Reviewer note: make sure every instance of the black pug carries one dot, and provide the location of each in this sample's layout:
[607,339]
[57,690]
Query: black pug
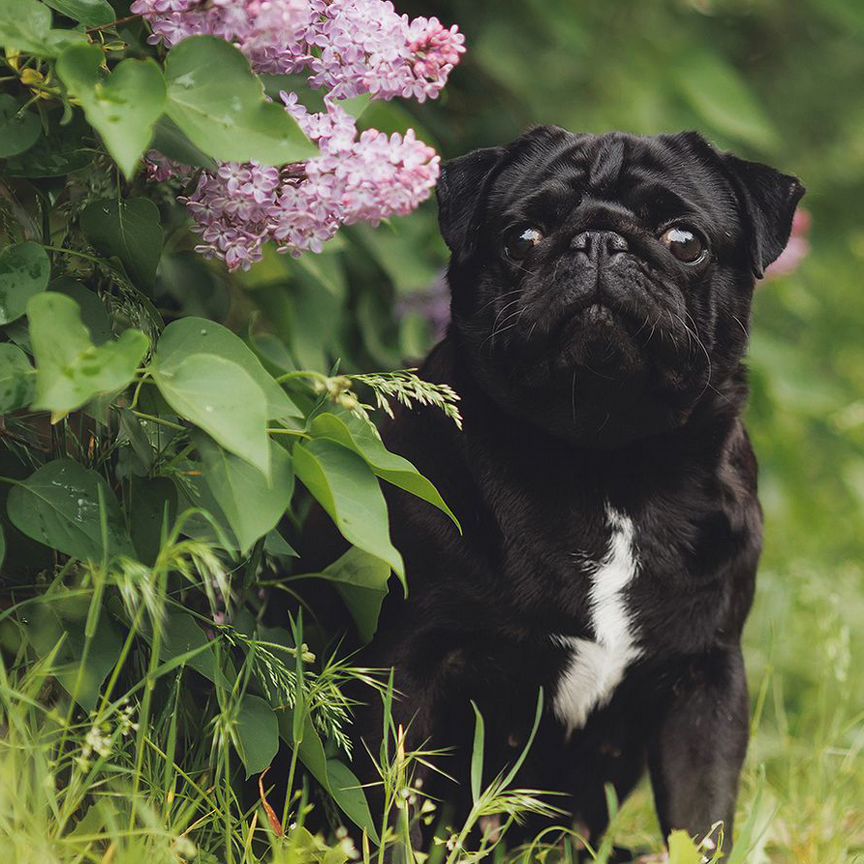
[601,294]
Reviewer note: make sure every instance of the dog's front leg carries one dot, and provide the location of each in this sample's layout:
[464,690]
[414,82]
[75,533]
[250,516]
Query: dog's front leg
[698,748]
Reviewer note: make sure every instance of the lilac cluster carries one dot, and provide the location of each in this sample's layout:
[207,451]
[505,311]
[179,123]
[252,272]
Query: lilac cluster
[348,48]
[300,207]
[271,33]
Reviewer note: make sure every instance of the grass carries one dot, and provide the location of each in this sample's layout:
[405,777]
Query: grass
[151,773]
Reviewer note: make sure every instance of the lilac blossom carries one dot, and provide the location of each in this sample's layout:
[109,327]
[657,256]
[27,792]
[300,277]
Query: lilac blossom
[348,48]
[367,179]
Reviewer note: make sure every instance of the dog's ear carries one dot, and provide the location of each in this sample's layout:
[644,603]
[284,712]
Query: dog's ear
[460,187]
[768,199]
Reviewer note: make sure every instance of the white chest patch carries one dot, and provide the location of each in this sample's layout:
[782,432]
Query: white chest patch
[596,667]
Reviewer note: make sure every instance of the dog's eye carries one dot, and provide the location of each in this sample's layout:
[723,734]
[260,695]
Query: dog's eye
[684,244]
[520,241]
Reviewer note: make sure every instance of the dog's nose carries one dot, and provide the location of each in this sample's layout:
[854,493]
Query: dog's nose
[599,246]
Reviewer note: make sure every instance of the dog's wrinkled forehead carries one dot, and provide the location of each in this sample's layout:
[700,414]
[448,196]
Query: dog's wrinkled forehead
[548,170]
[546,173]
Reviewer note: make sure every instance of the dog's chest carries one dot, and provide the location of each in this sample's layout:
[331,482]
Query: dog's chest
[595,667]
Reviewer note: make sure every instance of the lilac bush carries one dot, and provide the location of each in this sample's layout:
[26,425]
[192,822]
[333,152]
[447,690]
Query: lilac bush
[347,48]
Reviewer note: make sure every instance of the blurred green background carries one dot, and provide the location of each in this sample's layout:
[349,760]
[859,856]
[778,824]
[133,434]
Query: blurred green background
[777,81]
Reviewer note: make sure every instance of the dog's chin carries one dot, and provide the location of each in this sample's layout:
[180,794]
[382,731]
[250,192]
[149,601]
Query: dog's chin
[597,340]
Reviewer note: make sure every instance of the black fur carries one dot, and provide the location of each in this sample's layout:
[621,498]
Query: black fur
[588,382]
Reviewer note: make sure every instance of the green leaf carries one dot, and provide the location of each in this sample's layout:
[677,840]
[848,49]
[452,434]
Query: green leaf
[251,505]
[62,621]
[477,754]
[2,547]
[361,580]
[24,271]
[170,141]
[61,150]
[62,505]
[90,13]
[93,311]
[153,501]
[129,230]
[336,777]
[226,115]
[70,369]
[220,397]
[357,435]
[347,489]
[122,107]
[182,635]
[19,130]
[200,336]
[257,734]
[25,25]
[682,850]
[17,379]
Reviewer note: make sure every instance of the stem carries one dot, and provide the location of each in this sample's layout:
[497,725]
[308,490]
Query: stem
[290,376]
[297,433]
[75,253]
[114,24]
[159,421]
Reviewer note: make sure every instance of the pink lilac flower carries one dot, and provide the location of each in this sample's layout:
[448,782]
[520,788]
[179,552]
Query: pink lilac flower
[365,46]
[271,33]
[348,47]
[797,249]
[240,207]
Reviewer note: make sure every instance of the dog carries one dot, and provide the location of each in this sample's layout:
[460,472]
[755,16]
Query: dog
[604,481]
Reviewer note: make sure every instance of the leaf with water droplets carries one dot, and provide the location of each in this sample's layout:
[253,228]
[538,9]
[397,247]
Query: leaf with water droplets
[226,114]
[24,272]
[70,369]
[63,505]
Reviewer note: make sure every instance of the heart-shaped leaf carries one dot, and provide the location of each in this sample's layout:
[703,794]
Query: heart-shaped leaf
[129,230]
[24,272]
[70,369]
[226,115]
[220,397]
[90,13]
[63,504]
[17,379]
[357,435]
[251,505]
[19,130]
[122,107]
[25,25]
[344,485]
[199,336]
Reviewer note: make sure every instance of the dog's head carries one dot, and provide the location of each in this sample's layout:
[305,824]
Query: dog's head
[602,284]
